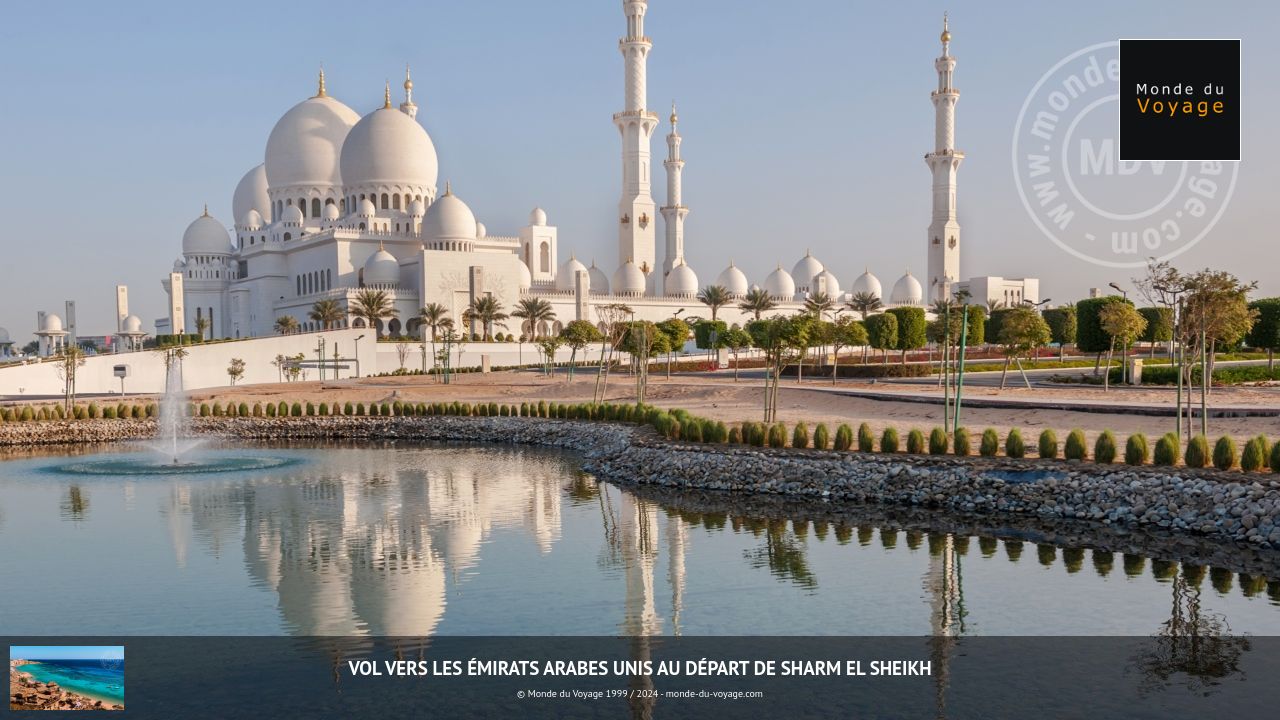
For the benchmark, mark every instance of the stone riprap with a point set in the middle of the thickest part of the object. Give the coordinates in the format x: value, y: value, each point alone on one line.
x: 1224, y: 506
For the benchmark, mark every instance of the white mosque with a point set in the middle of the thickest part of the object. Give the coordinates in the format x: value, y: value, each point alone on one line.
x: 343, y: 202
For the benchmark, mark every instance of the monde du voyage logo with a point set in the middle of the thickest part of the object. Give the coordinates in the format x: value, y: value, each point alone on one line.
x: 1126, y: 150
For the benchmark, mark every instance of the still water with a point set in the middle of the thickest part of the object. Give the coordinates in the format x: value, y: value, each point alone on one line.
x: 412, y: 540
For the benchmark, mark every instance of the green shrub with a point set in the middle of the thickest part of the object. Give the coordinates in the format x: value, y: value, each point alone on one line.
x: 1265, y: 445
x: 1167, y: 450
x: 311, y: 409
x: 800, y: 436
x: 1254, y: 457
x: 94, y: 411
x: 1136, y: 450
x: 153, y: 410
x: 961, y: 444
x: 937, y: 441
x: 243, y: 409
x: 889, y: 440
x: 348, y: 408
x: 282, y: 409
x: 821, y: 437
x: 542, y: 409
x: 989, y: 445
x: 1014, y: 446
x: 1104, y: 449
x: 296, y: 409
x: 360, y: 408
x: 123, y: 411
x: 386, y: 410
x: 231, y: 410
x: 271, y: 409
x: 218, y: 410
x: 1076, y: 448
x: 204, y: 410
x: 844, y: 437
x: 915, y: 442
x: 1197, y: 452
x: 1047, y: 447
x: 693, y: 432
x: 108, y: 413
x: 735, y: 435
x: 322, y: 409
x: 866, y: 439
x: 722, y: 433
x: 1224, y: 453
x: 778, y: 436
x: 757, y: 435
x: 1274, y: 458
x: 257, y: 409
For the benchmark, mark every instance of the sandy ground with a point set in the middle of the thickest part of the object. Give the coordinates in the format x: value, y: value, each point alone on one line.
x: 813, y: 401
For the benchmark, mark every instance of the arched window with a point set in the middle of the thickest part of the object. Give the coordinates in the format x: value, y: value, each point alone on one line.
x: 289, y: 202
x: 395, y: 202
x: 544, y: 258
x: 315, y: 207
x: 361, y: 226
x: 302, y: 205
x: 328, y: 282
x: 385, y: 201
x: 288, y: 237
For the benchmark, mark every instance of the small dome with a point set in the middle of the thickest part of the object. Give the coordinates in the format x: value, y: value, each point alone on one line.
x: 387, y: 147
x: 367, y: 208
x: 133, y: 324
x: 538, y: 217
x: 449, y: 218
x: 381, y: 269
x: 682, y: 282
x: 833, y: 285
x: 733, y: 280
x: 251, y: 194
x: 179, y: 264
x: 780, y: 285
x: 526, y: 277
x: 4, y: 335
x: 868, y: 283
x: 481, y: 230
x: 628, y: 280
x: 568, y: 274
x: 599, y: 281
x: 907, y: 291
x: 251, y: 220
x: 805, y: 270
x: 292, y: 215
x: 417, y: 208
x: 52, y: 324
x: 331, y: 212
x: 305, y: 144
x: 206, y: 236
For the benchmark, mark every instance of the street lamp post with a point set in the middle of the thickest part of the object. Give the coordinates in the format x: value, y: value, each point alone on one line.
x: 358, y: 339
x: 1176, y: 360
x: 1124, y: 351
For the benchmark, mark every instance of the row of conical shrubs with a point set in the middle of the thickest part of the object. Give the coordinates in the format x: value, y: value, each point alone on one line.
x: 92, y: 411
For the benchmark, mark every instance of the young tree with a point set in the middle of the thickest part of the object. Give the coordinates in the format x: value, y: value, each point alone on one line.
x: 677, y: 332
x: 912, y: 329
x: 778, y: 338
x: 374, y: 306
x: 757, y: 302
x: 69, y: 362
x: 577, y: 335
x: 864, y: 302
x: 714, y: 297
x: 487, y: 311
x: 1159, y: 326
x: 1062, y: 326
x: 1216, y: 314
x: 235, y: 370
x: 1022, y: 332
x: 432, y: 318
x: 1123, y: 323
x: 882, y: 333
x: 327, y: 313
x: 1265, y: 333
x: 736, y: 340
x: 286, y: 325
x: 845, y: 332
x: 611, y: 317
x: 1090, y: 337
x: 548, y: 347
x: 402, y: 352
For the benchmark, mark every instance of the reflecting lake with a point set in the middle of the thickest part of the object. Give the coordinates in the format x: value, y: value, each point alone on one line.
x: 411, y: 540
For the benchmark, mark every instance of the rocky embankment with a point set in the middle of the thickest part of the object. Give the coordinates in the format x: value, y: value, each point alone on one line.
x: 26, y: 693
x: 1230, y: 507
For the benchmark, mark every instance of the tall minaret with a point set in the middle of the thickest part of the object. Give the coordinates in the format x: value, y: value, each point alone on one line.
x: 636, y: 209
x: 944, y: 161
x: 407, y: 107
x: 674, y: 212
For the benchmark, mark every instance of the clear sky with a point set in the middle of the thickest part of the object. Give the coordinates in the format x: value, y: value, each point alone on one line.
x: 66, y: 652
x: 804, y: 125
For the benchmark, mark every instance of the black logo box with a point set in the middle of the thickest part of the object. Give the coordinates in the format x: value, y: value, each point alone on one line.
x: 1187, y: 68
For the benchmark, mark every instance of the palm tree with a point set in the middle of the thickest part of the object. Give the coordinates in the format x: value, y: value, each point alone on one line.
x: 993, y: 304
x: 488, y: 312
x: 714, y: 297
x: 818, y: 305
x: 757, y: 302
x: 432, y: 317
x: 326, y: 312
x: 202, y: 327
x: 286, y: 324
x: 533, y: 312
x: 373, y: 306
x: 864, y: 302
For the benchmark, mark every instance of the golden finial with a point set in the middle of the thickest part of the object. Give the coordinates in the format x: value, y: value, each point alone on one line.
x: 386, y: 96
x: 946, y: 33
x: 206, y: 210
x: 448, y: 187
x: 320, y: 92
x: 408, y: 81
x: 674, y: 118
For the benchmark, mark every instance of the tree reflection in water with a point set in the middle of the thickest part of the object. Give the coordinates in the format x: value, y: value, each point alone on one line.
x: 76, y: 506
x: 784, y: 554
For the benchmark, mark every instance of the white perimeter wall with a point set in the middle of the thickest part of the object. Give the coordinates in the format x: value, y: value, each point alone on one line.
x: 500, y: 355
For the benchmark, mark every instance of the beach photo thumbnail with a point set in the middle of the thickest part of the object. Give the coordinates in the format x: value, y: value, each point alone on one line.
x: 66, y: 677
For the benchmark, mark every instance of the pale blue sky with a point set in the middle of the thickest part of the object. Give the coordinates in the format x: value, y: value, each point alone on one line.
x: 66, y: 652
x: 804, y: 126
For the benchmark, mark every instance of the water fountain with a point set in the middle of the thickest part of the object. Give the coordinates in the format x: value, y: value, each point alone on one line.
x: 172, y: 431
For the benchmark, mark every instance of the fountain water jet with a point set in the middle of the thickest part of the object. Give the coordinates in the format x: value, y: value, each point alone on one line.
x: 172, y: 426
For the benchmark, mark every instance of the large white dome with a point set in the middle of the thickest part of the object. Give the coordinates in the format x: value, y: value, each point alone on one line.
x: 805, y: 270
x: 628, y: 280
x: 733, y: 280
x: 599, y: 281
x: 251, y: 194
x: 206, y: 236
x: 381, y: 269
x: 833, y: 284
x: 568, y: 274
x: 305, y: 145
x: 526, y: 277
x: 907, y: 291
x: 389, y: 148
x: 682, y: 282
x: 779, y: 285
x: 868, y: 283
x: 449, y: 218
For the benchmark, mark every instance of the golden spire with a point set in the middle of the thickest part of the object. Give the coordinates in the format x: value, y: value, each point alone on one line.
x: 674, y: 118
x: 206, y: 210
x: 320, y: 92
x: 408, y: 81
x: 386, y: 96
x: 448, y: 188
x: 946, y: 33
